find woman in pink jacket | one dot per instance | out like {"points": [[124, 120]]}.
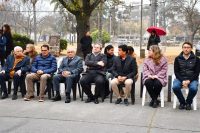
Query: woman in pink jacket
{"points": [[155, 74]]}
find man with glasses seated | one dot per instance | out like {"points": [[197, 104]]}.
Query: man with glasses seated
{"points": [[42, 67], [186, 69], [95, 73], [69, 72]]}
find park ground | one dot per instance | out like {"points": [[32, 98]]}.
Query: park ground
{"points": [[78, 117]]}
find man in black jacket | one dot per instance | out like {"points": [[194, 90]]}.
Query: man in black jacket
{"points": [[86, 44], [186, 69], [124, 71], [95, 73]]}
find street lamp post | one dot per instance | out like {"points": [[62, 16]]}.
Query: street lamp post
{"points": [[142, 51], [34, 20]]}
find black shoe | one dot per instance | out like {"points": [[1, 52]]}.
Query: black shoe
{"points": [[188, 107], [67, 100], [151, 103], [126, 102], [157, 102], [89, 100], [5, 95], [96, 101], [14, 97], [56, 98], [119, 100], [155, 105], [181, 106]]}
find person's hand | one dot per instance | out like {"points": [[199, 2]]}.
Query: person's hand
{"points": [[3, 71], [184, 84], [119, 78], [19, 72], [100, 63], [150, 77], [40, 72], [187, 82], [155, 77], [65, 73], [123, 78]]}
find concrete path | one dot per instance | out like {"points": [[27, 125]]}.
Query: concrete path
{"points": [[79, 117]]}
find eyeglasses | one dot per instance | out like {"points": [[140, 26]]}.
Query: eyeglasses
{"points": [[44, 50], [186, 47], [70, 52]]}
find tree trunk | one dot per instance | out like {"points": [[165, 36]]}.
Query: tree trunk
{"points": [[81, 28]]}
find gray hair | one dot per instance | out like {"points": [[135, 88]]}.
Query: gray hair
{"points": [[97, 44], [18, 48]]}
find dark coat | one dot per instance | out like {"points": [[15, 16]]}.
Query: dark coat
{"points": [[129, 69], [110, 60], [23, 65], [47, 64], [91, 62], [153, 40], [9, 43], [86, 44], [2, 46], [75, 66], [187, 69]]}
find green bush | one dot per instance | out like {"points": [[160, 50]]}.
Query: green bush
{"points": [[63, 44], [21, 40], [105, 36]]}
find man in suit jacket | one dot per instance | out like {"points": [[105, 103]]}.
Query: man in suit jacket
{"points": [[15, 68], [69, 72], [124, 71]]}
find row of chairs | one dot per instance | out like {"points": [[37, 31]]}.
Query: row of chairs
{"points": [[194, 104]]}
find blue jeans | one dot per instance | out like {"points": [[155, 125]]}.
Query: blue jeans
{"points": [[193, 87]]}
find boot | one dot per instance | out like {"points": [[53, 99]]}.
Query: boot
{"points": [[68, 99], [57, 97], [5, 95]]}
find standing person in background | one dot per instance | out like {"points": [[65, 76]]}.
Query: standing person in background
{"points": [[154, 39], [2, 48], [30, 52], [86, 44], [9, 40]]}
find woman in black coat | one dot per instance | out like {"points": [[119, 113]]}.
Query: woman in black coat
{"points": [[9, 40], [154, 39]]}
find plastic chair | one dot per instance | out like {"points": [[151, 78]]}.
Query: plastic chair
{"points": [[194, 104], [144, 96]]}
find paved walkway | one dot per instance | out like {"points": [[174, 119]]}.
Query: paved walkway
{"points": [[78, 117]]}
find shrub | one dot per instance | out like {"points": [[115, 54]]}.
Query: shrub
{"points": [[21, 40], [105, 36], [63, 44]]}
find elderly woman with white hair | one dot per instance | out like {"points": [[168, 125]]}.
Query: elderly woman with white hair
{"points": [[15, 68]]}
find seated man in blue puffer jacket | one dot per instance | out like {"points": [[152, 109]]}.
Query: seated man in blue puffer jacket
{"points": [[43, 66]]}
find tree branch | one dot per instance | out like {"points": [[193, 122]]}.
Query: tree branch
{"points": [[95, 4], [64, 4]]}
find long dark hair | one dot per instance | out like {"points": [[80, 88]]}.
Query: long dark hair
{"points": [[7, 28], [107, 48]]}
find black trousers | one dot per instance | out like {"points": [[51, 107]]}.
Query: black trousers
{"points": [[18, 81], [99, 81], [153, 87]]}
